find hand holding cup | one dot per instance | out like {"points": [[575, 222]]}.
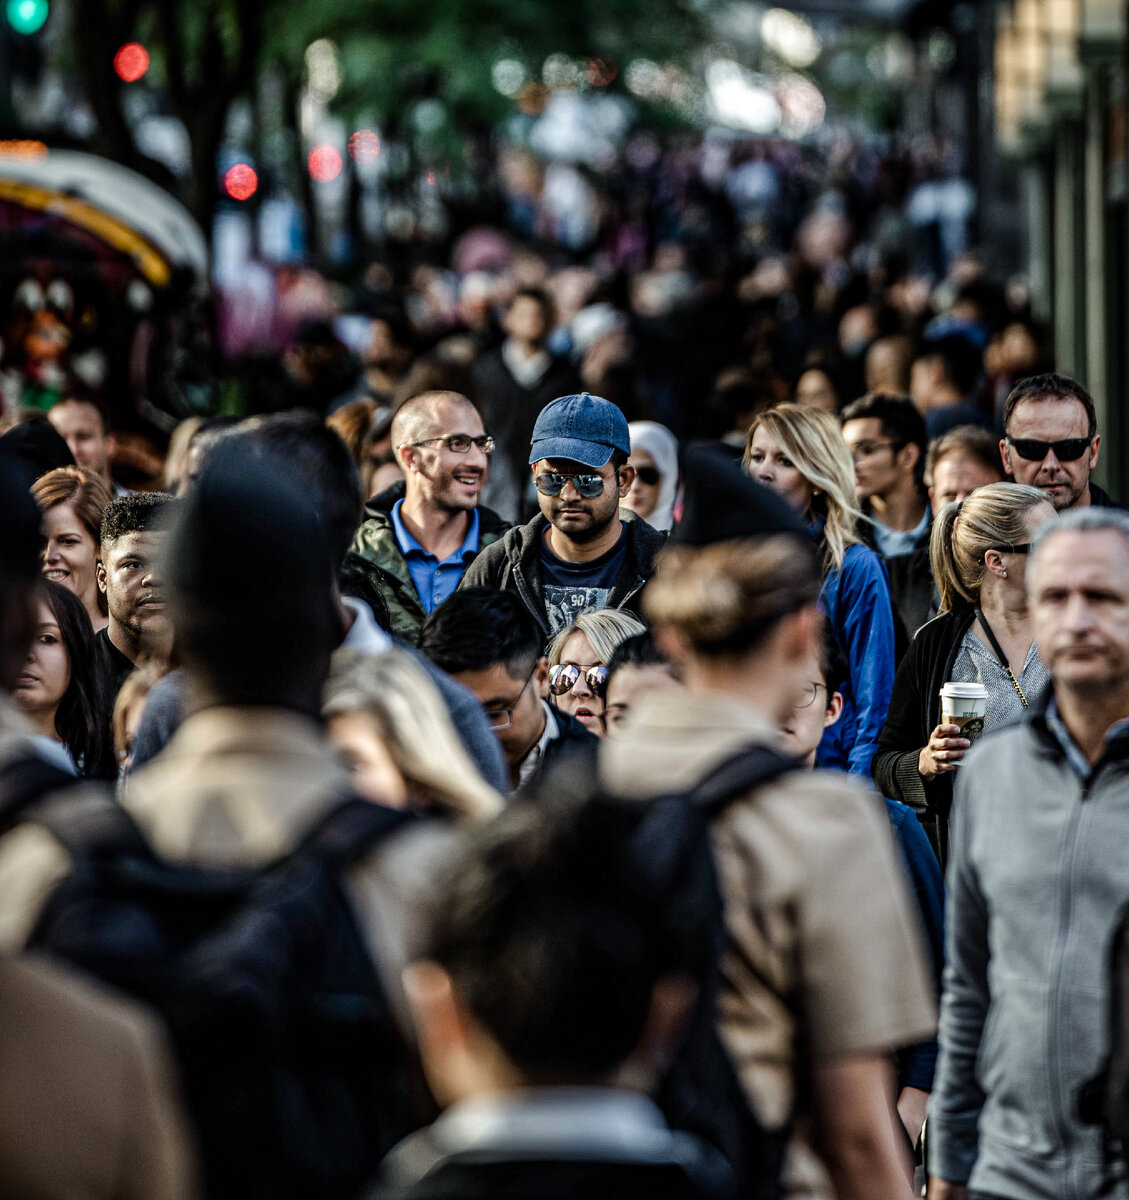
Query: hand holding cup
{"points": [[943, 752]]}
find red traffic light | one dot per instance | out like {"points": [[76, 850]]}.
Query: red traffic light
{"points": [[131, 62], [240, 182]]}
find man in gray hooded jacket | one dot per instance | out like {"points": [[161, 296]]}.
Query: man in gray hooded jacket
{"points": [[1037, 877]]}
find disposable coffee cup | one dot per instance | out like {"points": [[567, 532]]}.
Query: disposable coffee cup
{"points": [[964, 704]]}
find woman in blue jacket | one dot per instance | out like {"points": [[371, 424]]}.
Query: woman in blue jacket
{"points": [[800, 454]]}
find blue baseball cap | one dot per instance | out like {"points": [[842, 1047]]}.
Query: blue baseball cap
{"points": [[585, 429]]}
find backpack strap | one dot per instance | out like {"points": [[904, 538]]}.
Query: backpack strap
{"points": [[351, 828], [744, 772], [87, 819]]}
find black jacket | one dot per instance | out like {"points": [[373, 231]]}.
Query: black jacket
{"points": [[911, 578], [513, 563], [915, 710], [1101, 498]]}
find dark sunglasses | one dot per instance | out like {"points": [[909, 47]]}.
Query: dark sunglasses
{"points": [[588, 486], [648, 475], [1022, 548], [1066, 450], [563, 678]]}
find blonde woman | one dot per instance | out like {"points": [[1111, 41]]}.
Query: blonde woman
{"points": [[800, 453], [978, 550], [390, 724], [578, 663]]}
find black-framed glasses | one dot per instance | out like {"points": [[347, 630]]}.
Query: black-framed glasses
{"points": [[503, 718], [460, 443], [866, 449], [811, 690], [552, 483], [1066, 449], [648, 475], [564, 677]]}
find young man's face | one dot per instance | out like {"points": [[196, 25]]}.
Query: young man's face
{"points": [[581, 518], [802, 731], [127, 574], [629, 684], [80, 426], [513, 706], [1055, 418], [880, 467]]}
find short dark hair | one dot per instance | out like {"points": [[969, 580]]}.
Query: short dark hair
{"points": [[832, 660], [962, 361], [551, 940], [136, 512], [974, 440], [478, 627], [618, 459], [538, 296], [639, 650], [1052, 386], [318, 462], [901, 422]]}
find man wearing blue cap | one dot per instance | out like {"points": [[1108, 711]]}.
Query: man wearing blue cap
{"points": [[583, 551]]}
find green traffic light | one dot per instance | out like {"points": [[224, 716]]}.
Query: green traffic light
{"points": [[27, 16]]}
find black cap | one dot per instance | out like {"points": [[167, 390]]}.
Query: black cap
{"points": [[721, 502], [38, 445]]}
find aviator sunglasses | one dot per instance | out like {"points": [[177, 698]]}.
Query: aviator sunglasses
{"points": [[1034, 450], [564, 676], [551, 484]]}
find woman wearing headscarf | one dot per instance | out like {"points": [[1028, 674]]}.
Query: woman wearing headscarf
{"points": [[654, 455]]}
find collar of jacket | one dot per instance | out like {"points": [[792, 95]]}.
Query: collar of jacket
{"points": [[1115, 750], [379, 509], [865, 530]]}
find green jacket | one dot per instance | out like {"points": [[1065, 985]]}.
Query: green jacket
{"points": [[376, 552]]}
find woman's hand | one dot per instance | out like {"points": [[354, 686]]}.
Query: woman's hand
{"points": [[943, 753]]}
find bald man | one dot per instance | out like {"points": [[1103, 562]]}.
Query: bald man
{"points": [[421, 534]]}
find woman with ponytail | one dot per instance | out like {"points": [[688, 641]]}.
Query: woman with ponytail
{"points": [[978, 551]]}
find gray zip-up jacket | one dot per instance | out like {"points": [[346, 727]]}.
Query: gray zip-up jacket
{"points": [[1038, 872], [513, 563]]}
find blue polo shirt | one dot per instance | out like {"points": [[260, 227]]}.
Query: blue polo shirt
{"points": [[434, 580]]}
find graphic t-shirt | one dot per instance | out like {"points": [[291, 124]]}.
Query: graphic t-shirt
{"points": [[573, 588]]}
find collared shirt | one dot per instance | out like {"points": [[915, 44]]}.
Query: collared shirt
{"points": [[532, 760], [893, 543], [434, 580], [1079, 763]]}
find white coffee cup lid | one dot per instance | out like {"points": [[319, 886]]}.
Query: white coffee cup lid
{"points": [[964, 691]]}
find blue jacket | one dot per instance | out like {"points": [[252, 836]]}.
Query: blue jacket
{"points": [[857, 603]]}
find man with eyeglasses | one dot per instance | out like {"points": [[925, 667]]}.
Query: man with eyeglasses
{"points": [[1051, 441], [583, 551], [422, 533], [886, 437], [487, 641]]}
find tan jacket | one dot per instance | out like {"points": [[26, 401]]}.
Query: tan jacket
{"points": [[816, 904], [89, 1109]]}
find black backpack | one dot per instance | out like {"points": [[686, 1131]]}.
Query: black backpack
{"points": [[293, 1070], [701, 1092]]}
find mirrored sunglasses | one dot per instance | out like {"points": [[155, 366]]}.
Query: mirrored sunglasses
{"points": [[563, 678], [587, 485]]}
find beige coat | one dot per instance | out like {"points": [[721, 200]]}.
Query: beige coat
{"points": [[824, 950], [89, 1108]]}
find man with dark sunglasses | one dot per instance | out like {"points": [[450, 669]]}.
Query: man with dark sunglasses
{"points": [[583, 551], [1051, 440], [421, 533], [488, 642]]}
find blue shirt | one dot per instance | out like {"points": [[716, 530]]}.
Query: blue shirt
{"points": [[434, 580]]}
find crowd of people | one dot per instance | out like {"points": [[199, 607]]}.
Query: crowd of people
{"points": [[532, 762]]}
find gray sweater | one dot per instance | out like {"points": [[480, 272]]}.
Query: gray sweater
{"points": [[1037, 875]]}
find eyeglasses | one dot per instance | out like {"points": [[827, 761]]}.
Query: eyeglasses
{"points": [[866, 449], [811, 690], [587, 485], [460, 443], [503, 718], [1066, 449], [564, 677], [648, 475]]}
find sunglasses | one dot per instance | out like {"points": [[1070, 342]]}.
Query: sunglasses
{"points": [[588, 486], [564, 677], [648, 475], [1066, 450]]}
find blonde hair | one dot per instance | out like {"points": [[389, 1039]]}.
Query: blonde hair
{"points": [[725, 598], [416, 728], [992, 517], [814, 442], [135, 689], [605, 629]]}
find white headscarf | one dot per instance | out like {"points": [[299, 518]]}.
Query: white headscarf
{"points": [[662, 446]]}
